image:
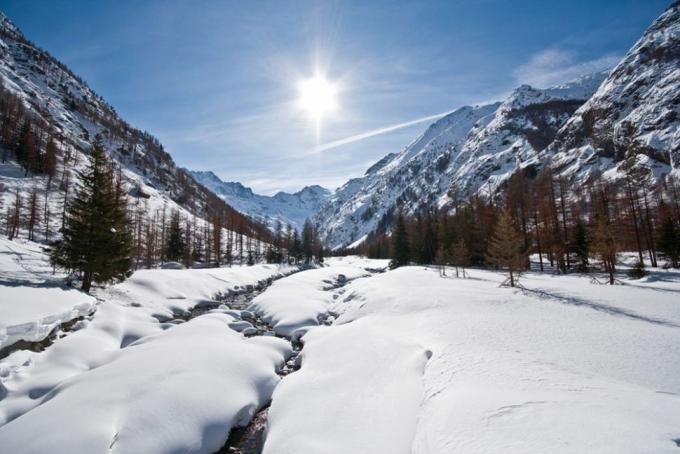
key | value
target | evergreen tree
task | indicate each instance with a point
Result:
(580, 246)
(50, 162)
(310, 240)
(669, 241)
(506, 247)
(96, 235)
(296, 247)
(176, 245)
(400, 246)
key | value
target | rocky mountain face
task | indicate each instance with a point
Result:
(475, 148)
(288, 209)
(584, 129)
(634, 114)
(60, 105)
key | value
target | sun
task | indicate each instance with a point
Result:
(318, 97)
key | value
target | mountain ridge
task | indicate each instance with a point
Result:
(289, 209)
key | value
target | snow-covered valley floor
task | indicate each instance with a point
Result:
(413, 362)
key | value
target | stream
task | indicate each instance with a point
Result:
(247, 439)
(250, 439)
(234, 302)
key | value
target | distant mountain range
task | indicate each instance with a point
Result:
(287, 209)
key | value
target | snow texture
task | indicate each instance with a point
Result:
(303, 300)
(421, 364)
(33, 302)
(126, 380)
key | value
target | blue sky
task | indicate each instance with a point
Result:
(216, 81)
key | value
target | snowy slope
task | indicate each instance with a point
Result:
(68, 110)
(289, 209)
(636, 111)
(472, 149)
(584, 129)
(419, 364)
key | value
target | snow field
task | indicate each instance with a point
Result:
(125, 381)
(593, 370)
(303, 300)
(32, 300)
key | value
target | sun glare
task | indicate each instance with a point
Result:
(318, 97)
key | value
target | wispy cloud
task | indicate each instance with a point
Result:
(376, 132)
(554, 66)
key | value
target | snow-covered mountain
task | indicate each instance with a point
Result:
(475, 148)
(636, 111)
(583, 129)
(59, 104)
(289, 209)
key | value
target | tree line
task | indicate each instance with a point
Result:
(569, 228)
(289, 246)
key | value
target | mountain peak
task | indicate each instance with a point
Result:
(283, 207)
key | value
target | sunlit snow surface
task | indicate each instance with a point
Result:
(565, 366)
(414, 363)
(125, 381)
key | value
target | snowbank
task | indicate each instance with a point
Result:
(374, 409)
(32, 300)
(593, 370)
(168, 291)
(303, 299)
(124, 379)
(177, 391)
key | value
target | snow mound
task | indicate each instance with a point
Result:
(178, 391)
(33, 302)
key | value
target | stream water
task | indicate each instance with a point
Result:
(248, 439)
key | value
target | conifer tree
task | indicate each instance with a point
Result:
(176, 246)
(50, 162)
(295, 248)
(669, 241)
(506, 247)
(310, 241)
(580, 245)
(96, 236)
(32, 215)
(400, 245)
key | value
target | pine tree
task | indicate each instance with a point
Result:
(176, 246)
(506, 247)
(580, 245)
(309, 241)
(295, 248)
(669, 241)
(400, 246)
(33, 216)
(50, 162)
(96, 238)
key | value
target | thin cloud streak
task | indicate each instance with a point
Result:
(376, 132)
